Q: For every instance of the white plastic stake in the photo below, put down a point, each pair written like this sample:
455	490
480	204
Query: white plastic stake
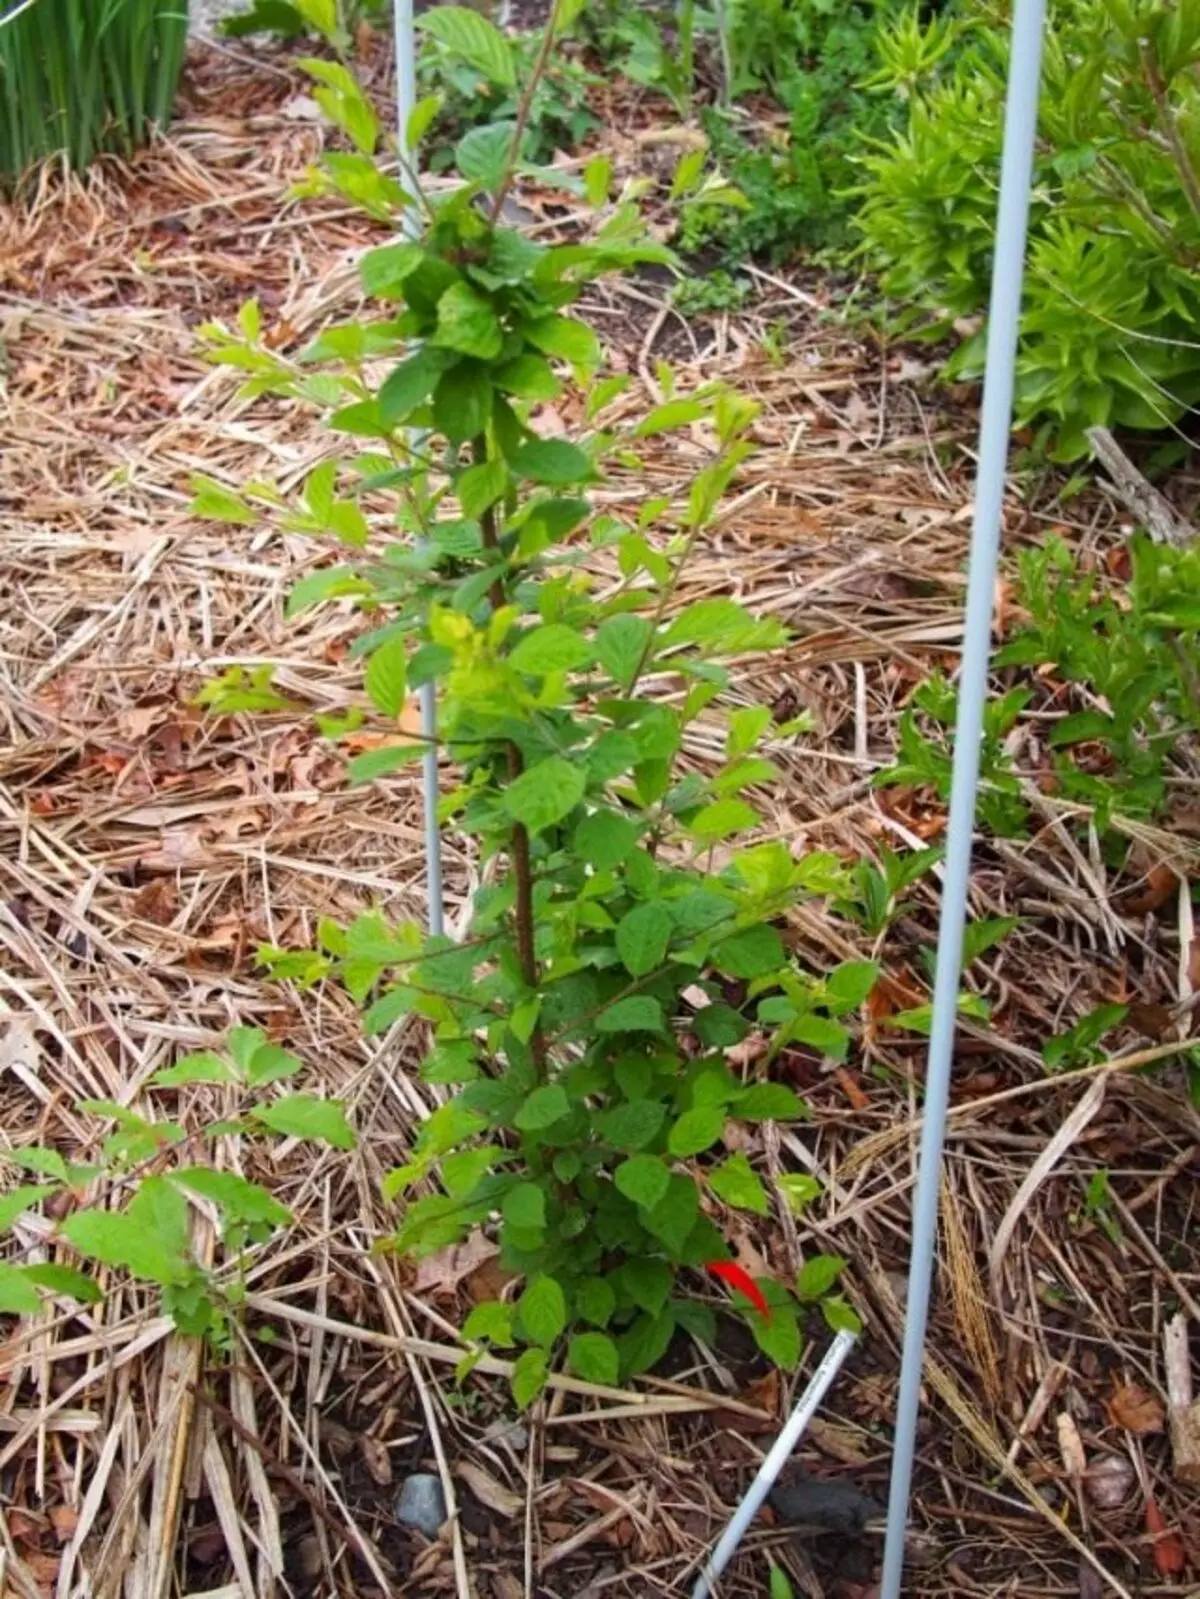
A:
406	99
1016	174
781	1452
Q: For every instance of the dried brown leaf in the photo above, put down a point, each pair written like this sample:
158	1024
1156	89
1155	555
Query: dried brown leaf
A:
1131	1407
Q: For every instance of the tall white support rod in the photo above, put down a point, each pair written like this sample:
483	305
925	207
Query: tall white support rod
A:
1016	176
406	99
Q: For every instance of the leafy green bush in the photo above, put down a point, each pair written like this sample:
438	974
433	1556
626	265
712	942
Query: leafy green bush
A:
335	20
625	938
1112	298
129	1207
559	116
83	76
1118	671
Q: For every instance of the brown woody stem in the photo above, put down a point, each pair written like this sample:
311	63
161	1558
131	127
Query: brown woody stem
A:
521	864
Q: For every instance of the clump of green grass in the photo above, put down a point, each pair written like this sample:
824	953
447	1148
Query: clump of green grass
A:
81	76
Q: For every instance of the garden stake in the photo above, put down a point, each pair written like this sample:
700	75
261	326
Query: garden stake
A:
780	1453
1016	173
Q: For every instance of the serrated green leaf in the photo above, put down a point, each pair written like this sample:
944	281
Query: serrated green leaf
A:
769	1102
751	953
482	154
722	819
36	1158
462	402
566	338
524	1205
594	1357
647	1282
631	1126
673	1218
779	1337
605	839
305	1116
492	1321
545	793
203	1067
480	486
468	323
643	1178
553	647
387	677
478	41
116	1239
552	461
542	1311
371	764
18	1296
595	1301
738	1184
410	384
383	270
622	644
238	1199
646	1342
643	936
639	1013
840	1316
23	1198
530	1371
696	1130
67	1281
818	1275
543	1108
216	503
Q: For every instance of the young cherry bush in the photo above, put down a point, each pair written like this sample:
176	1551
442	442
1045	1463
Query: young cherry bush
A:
625	939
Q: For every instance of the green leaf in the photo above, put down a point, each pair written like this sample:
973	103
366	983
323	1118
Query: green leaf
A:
672	1219
365	768
646	1342
481	155
605	839
719	1026
643	935
829	1038
462	403
19	1200
116	1239
387	677
674	414
778	1586
383	270
800	1189
18	1296
751	953
542	1311
553	461
722	819
410	384
529	377
67	1281
696	1130
779	1337
840	1316
637	1014
545	793
595	1301
239	1199
478	41
552	647
631	1126
566	338
594	1357
644	1179
647	1282
492	1321
467	323
543	1108
35	1158
622	645
530	1371
817	1276
851	983
305	1116
216	503
738	1184
765	1102
525	1206
272	1064
330	583
480	486
421	118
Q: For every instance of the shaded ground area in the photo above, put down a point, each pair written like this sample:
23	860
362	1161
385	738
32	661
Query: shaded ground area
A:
145	851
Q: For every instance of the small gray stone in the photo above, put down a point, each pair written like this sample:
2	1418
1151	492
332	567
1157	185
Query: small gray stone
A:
421	1503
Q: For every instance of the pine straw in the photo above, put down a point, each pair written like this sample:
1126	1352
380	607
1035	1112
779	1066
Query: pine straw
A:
146	851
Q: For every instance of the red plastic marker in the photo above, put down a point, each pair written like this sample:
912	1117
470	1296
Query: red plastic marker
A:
737	1277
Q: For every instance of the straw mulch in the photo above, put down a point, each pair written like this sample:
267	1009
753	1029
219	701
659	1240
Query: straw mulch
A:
145	851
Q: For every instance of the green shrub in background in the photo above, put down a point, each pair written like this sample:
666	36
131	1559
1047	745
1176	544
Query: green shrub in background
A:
1112	302
82	76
